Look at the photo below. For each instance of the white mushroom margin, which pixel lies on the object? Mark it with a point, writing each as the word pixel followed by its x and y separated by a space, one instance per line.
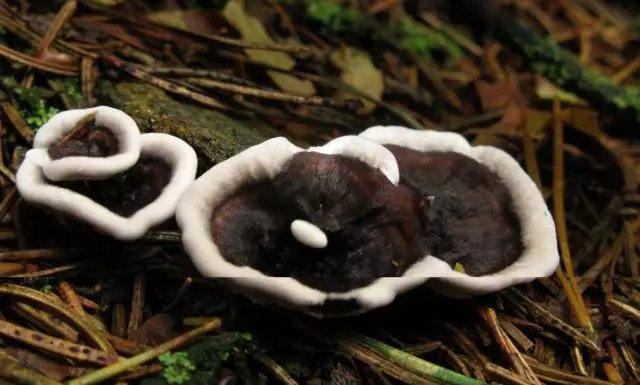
pixel 35 188
pixel 540 256
pixel 261 162
pixel 123 127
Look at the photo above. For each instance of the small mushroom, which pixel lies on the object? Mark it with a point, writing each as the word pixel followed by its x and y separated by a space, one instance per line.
pixel 326 230
pixel 92 143
pixel 485 213
pixel 124 204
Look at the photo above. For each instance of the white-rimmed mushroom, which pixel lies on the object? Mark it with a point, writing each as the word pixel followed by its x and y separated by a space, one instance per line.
pixel 180 158
pixel 201 212
pixel 539 255
pixel 122 126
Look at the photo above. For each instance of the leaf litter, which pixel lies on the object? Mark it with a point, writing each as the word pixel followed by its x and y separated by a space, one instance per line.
pixel 315 69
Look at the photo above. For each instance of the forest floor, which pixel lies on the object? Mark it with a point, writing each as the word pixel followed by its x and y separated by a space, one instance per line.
pixel 554 83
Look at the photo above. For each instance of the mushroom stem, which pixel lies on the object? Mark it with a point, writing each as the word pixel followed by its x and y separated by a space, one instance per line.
pixel 309 234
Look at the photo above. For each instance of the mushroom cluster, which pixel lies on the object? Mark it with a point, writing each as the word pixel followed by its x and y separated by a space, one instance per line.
pixel 94 165
pixel 344 228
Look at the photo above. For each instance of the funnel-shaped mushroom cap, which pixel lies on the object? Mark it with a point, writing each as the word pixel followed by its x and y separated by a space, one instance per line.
pixel 487 215
pixel 143 196
pixel 83 158
pixel 326 231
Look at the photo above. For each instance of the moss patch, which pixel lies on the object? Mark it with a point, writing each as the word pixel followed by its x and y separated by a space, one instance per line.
pixel 213 135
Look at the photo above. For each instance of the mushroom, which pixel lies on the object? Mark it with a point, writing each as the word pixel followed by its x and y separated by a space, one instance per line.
pixel 486 214
pixel 96 182
pixel 327 230
pixel 108 143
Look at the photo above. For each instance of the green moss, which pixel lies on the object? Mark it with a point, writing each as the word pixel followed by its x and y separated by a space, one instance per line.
pixel 213 135
pixel 33 103
pixel 550 60
pixel 336 17
pixel 176 367
pixel 418 38
pixel 200 362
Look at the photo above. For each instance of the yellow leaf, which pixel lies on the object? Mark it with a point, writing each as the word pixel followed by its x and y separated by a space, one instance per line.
pixel 536 121
pixel 252 30
pixel 359 72
pixel 583 119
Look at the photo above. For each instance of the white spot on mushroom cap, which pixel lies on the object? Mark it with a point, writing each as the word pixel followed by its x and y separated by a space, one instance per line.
pixel 309 234
pixel 262 162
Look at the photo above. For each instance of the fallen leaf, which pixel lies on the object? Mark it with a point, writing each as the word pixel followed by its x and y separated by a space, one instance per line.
pixel 252 30
pixel 583 119
pixel 359 72
pixel 201 22
pixel 114 30
pixel 509 125
pixel 546 90
pixel 157 329
pixel 494 96
pixel 34 361
pixel 536 121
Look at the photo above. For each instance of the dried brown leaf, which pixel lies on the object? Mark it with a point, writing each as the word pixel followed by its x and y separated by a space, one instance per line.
pixel 359 72
pixel 252 30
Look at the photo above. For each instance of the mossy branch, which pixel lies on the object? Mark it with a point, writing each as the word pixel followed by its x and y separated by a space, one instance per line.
pixel 548 59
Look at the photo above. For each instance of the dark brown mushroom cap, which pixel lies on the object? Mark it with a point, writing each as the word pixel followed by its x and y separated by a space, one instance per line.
pixel 92 141
pixel 372 225
pixel 471 219
pixel 127 192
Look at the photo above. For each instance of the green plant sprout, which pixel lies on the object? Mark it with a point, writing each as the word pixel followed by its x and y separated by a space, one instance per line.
pixel 32 101
pixel 72 87
pixel 46 289
pixel 336 17
pixel 414 37
pixel 200 362
pixel 40 115
pixel 177 367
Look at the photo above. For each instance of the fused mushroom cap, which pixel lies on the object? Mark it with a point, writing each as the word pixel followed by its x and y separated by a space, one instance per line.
pixel 124 130
pixel 370 224
pixel 264 162
pixel 540 256
pixel 35 188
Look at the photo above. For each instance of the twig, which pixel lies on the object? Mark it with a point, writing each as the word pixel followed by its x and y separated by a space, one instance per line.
pixel 547 318
pixel 31 295
pixel 55 345
pixel 36 63
pixel 508 349
pixel 278 372
pixel 570 285
pixel 270 94
pixel 18 122
pixel 11 371
pixel 61 18
pixel 165 85
pixel 504 375
pixel 142 358
pixel 36 255
pixel 45 321
pixel 137 303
